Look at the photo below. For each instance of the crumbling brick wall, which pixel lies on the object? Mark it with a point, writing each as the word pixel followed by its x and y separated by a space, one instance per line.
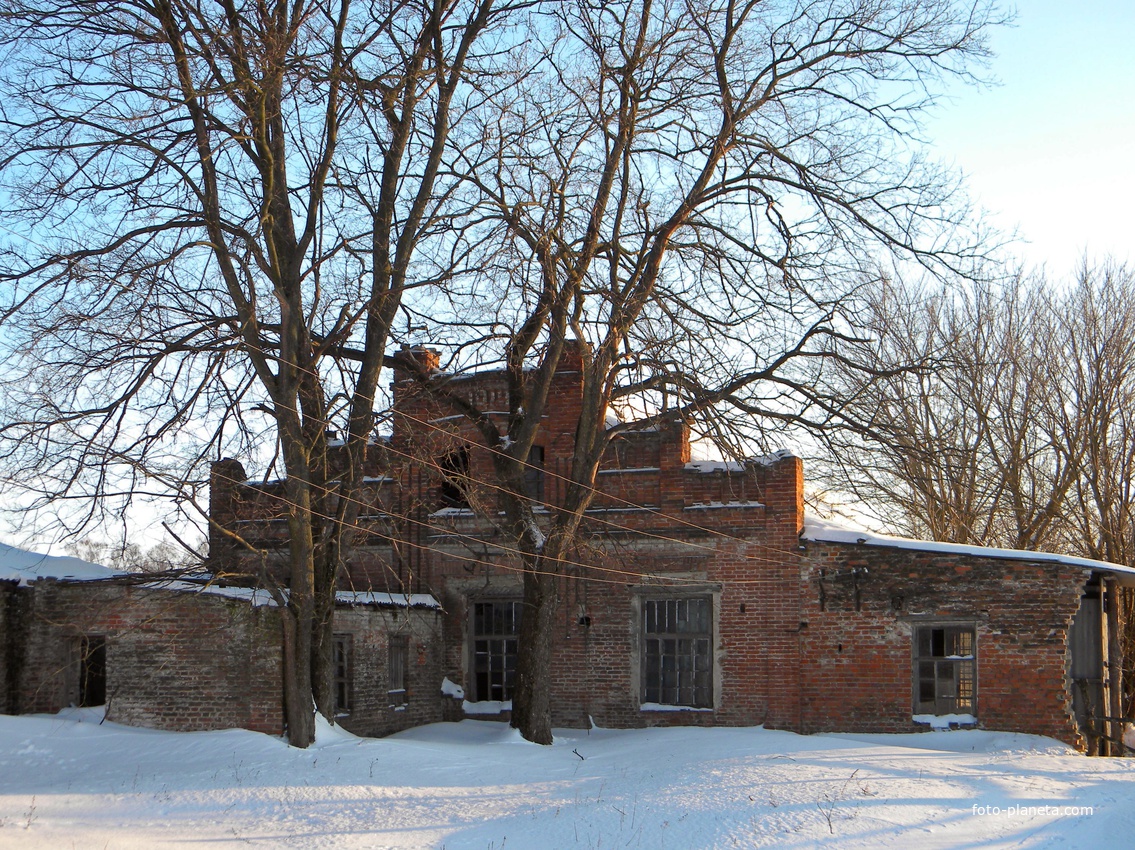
pixel 373 712
pixel 184 660
pixel 700 539
pixel 174 660
pixel 861 603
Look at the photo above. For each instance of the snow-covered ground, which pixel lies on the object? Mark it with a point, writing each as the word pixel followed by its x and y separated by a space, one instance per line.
pixel 68 781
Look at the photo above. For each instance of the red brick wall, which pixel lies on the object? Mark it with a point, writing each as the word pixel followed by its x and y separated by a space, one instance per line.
pixel 371 629
pixel 186 661
pixel 747 557
pixel 857 660
pixel 783 657
pixel 174 660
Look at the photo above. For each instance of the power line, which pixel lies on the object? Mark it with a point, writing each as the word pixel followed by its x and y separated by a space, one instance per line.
pixel 453 533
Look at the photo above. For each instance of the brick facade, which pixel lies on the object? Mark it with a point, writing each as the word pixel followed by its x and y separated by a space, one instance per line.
pixel 174 660
pixel 862 603
pixel 185 660
pixel 806 635
pixel 801 633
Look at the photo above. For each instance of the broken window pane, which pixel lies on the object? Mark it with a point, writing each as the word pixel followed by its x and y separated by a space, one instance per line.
pixel 945 670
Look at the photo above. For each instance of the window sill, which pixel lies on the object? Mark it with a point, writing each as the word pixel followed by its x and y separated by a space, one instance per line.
pixel 658 706
pixel 945 721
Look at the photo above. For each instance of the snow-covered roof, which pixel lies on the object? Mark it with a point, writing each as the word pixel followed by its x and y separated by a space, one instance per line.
pixel 737 503
pixel 386 600
pixel 829 531
pixel 772 458
pixel 257 597
pixel 261 597
pixel 24 567
pixel 452 512
pixel 715 466
pixel 705 466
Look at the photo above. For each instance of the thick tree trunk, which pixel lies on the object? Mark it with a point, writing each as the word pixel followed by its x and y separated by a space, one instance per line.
pixel 323 630
pixel 531 699
pixel 323 636
pixel 299 615
pixel 298 714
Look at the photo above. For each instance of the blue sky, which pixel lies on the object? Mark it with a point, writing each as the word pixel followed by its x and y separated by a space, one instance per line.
pixel 1050 149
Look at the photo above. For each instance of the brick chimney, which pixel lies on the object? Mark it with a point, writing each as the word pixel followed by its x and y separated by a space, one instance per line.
pixel 409 396
pixel 783 495
pixel 673 455
pixel 225 478
pixel 571 358
pixel 410 359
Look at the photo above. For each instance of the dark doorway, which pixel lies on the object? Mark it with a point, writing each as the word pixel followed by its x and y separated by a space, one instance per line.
pixel 92 671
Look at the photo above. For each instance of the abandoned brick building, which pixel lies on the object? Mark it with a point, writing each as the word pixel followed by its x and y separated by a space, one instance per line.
pixel 701 595
pixel 187 655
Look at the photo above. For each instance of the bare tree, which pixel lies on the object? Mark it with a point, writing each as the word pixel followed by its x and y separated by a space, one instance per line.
pixel 968 443
pixel 1013 427
pixel 1096 392
pixel 693 193
pixel 163 557
pixel 212 216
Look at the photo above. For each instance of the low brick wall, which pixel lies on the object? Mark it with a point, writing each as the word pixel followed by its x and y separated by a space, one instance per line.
pixel 189 661
pixel 174 660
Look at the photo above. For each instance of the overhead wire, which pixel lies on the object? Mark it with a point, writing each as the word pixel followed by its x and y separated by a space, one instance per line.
pixel 402 541
pixel 453 533
pixel 447 531
pixel 670 518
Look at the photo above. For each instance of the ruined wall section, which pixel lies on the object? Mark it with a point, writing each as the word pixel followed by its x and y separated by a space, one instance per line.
pixel 374 710
pixel 862 603
pixel 174 660
pixel 185 661
pixel 743 554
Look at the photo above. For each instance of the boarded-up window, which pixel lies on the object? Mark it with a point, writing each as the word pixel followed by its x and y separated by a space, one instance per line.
pixel 677 666
pixel 496 627
pixel 945 670
pixel 397 653
pixel 341 661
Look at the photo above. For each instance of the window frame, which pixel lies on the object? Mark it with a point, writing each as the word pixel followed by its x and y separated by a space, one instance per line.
pixel 342 673
pixel 452 490
pixel 662 652
pixel 397 662
pixel 936 665
pixel 492 654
